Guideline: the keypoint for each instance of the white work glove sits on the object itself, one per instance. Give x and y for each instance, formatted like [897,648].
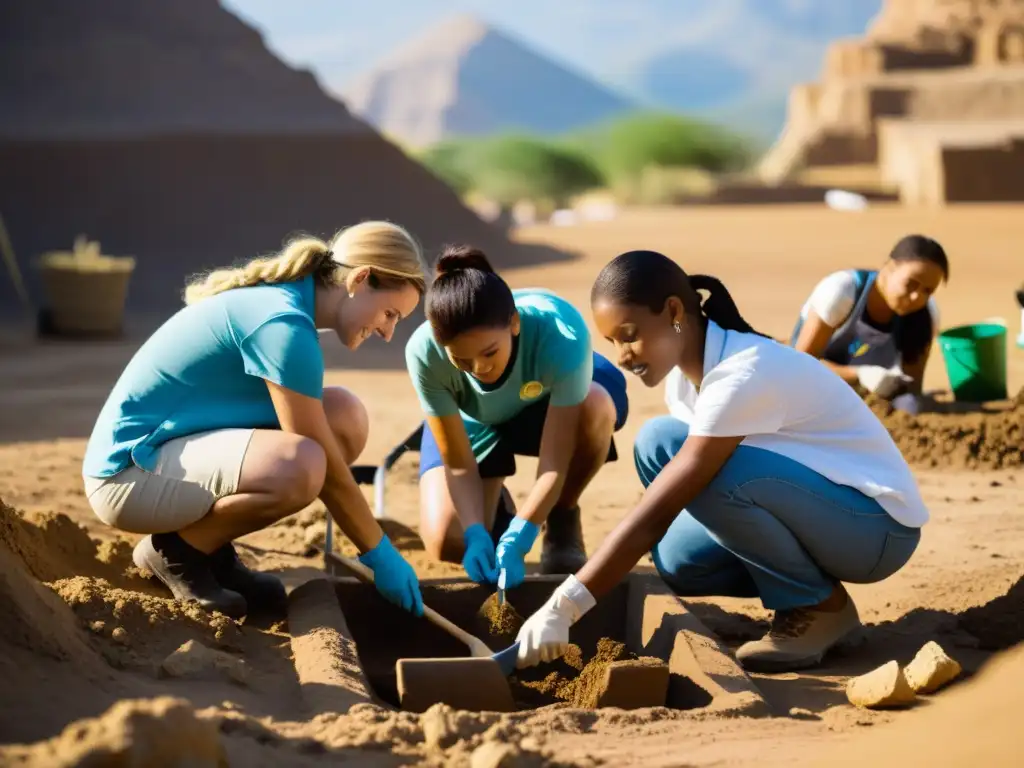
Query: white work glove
[545,635]
[884,382]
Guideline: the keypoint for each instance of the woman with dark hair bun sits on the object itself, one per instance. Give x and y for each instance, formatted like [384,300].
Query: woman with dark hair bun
[875,327]
[501,373]
[771,478]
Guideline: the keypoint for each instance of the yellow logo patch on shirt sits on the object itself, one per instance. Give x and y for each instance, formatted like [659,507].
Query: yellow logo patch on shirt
[861,350]
[531,390]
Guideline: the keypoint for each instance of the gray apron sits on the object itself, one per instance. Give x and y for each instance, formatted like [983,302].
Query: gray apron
[856,342]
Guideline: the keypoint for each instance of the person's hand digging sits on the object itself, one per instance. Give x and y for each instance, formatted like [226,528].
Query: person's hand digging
[393,577]
[545,635]
[513,547]
[478,559]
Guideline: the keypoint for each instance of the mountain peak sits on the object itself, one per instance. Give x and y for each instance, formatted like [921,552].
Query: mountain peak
[463,77]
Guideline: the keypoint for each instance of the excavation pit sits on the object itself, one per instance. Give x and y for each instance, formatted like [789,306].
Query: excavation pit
[630,650]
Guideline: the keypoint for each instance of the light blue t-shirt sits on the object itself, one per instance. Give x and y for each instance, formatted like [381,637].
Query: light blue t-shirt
[204,369]
[554,357]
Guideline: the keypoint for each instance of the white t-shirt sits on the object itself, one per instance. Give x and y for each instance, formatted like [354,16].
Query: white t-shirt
[834,297]
[787,402]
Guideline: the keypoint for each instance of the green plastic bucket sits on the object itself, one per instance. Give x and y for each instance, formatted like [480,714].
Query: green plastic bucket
[975,358]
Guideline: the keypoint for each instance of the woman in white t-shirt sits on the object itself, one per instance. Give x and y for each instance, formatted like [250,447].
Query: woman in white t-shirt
[771,478]
[876,328]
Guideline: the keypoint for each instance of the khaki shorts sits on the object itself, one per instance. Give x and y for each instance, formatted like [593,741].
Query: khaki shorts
[191,473]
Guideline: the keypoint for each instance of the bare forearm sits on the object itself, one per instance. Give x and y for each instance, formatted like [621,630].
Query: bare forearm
[543,497]
[345,501]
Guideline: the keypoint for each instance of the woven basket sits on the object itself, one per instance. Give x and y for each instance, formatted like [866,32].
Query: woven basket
[86,290]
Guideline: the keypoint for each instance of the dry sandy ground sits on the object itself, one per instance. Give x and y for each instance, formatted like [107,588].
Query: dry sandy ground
[972,551]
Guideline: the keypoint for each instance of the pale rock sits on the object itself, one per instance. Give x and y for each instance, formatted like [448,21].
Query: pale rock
[883,687]
[931,669]
[120,635]
[494,754]
[196,660]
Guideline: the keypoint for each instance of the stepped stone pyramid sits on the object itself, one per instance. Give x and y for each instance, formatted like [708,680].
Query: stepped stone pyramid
[930,105]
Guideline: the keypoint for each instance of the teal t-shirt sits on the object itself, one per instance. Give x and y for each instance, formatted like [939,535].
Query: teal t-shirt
[554,358]
[204,369]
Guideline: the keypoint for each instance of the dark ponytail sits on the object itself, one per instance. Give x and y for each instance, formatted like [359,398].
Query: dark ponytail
[719,305]
[466,293]
[649,278]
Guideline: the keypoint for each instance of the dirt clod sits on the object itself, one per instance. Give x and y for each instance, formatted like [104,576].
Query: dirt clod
[492,754]
[931,669]
[883,687]
[119,635]
[196,660]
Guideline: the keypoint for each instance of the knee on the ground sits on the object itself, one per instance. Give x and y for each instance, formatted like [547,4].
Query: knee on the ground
[348,419]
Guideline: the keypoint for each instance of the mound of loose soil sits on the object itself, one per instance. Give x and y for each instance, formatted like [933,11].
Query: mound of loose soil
[575,679]
[162,731]
[52,546]
[999,624]
[992,439]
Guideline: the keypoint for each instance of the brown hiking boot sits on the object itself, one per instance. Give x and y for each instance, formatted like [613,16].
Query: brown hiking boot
[799,638]
[563,550]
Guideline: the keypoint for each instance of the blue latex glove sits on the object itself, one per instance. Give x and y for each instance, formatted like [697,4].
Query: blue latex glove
[479,558]
[513,547]
[394,578]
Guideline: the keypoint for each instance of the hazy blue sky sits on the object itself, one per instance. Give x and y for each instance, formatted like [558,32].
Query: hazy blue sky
[605,38]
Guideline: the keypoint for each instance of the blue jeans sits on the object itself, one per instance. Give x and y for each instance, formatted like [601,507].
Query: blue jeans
[767,526]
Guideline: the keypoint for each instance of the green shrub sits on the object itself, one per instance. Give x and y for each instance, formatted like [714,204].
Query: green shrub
[508,169]
[446,160]
[639,157]
[627,147]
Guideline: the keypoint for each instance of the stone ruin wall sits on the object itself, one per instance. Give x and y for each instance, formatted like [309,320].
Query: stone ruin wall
[921,60]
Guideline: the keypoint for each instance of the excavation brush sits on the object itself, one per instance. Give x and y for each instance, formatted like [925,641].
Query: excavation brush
[477,682]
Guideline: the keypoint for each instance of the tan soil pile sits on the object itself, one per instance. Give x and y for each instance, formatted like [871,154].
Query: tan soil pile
[52,546]
[987,440]
[163,731]
[575,680]
[1000,623]
[44,657]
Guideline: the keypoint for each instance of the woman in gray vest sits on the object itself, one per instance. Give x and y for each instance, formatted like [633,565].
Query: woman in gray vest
[875,327]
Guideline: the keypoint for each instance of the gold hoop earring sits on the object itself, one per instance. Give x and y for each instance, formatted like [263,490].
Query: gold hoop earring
[677,327]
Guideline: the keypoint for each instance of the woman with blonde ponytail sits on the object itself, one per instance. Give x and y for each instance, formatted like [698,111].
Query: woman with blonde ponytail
[220,425]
